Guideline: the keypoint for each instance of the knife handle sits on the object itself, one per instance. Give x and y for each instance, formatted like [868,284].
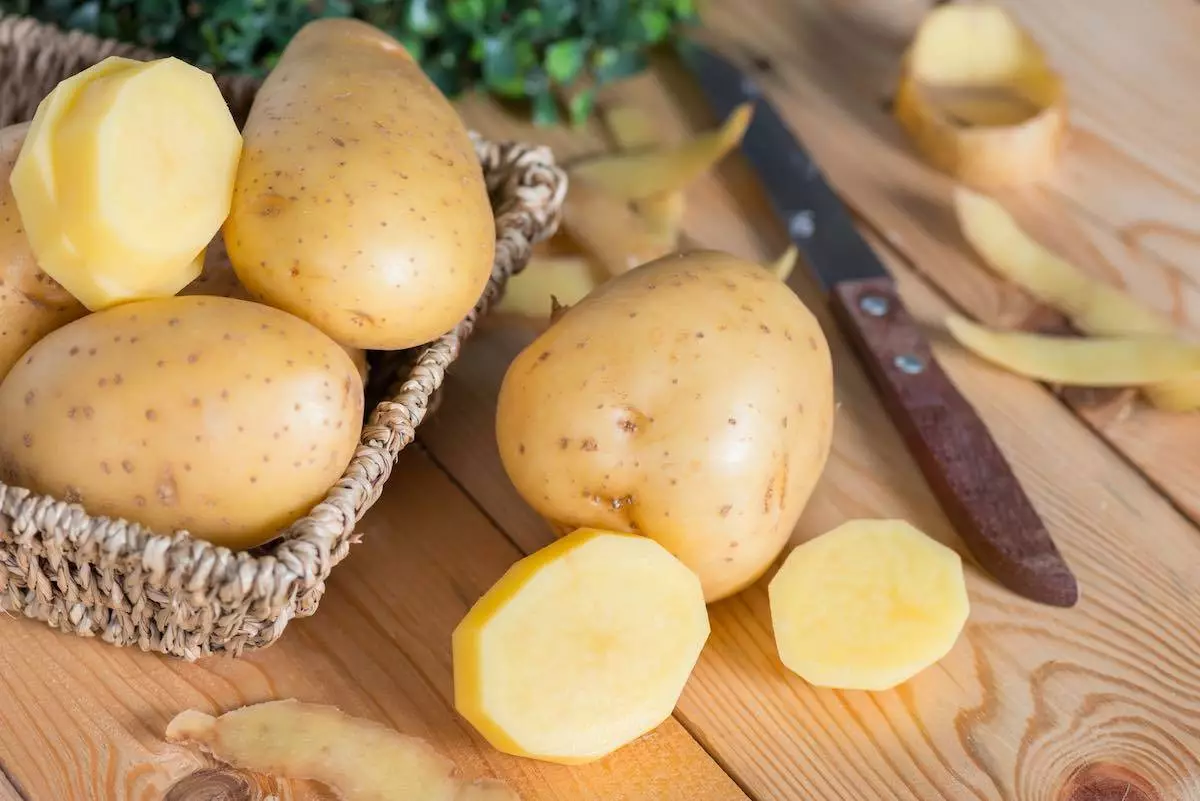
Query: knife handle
[961,462]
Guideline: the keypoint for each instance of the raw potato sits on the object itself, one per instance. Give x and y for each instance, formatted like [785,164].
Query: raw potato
[360,203]
[579,648]
[1133,361]
[868,605]
[32,304]
[142,158]
[218,279]
[226,418]
[978,99]
[358,759]
[608,230]
[566,279]
[1092,306]
[690,400]
[638,176]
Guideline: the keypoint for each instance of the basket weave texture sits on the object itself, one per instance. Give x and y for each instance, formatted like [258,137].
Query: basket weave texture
[94,576]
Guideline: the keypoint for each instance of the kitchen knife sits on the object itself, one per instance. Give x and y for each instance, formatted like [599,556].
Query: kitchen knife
[962,463]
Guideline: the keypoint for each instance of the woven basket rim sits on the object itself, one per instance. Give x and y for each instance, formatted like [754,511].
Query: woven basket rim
[527,191]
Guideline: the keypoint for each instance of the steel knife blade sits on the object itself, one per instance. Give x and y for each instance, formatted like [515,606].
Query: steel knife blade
[964,467]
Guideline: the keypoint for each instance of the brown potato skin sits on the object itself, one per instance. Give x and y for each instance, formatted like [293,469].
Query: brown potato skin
[360,205]
[690,400]
[32,304]
[227,418]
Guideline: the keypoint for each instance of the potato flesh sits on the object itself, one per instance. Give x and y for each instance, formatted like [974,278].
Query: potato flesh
[1100,362]
[580,648]
[142,158]
[32,304]
[359,759]
[690,400]
[868,605]
[225,418]
[360,203]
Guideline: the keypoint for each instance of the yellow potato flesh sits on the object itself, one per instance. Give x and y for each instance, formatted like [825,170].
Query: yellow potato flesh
[33,179]
[32,304]
[360,203]
[565,279]
[359,759]
[1092,306]
[145,161]
[223,417]
[978,98]
[867,606]
[690,400]
[580,648]
[1101,362]
[638,176]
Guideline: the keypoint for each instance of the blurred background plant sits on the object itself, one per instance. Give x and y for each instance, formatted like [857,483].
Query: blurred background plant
[552,53]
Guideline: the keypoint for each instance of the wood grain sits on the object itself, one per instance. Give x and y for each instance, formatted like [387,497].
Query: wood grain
[83,720]
[1121,204]
[1033,703]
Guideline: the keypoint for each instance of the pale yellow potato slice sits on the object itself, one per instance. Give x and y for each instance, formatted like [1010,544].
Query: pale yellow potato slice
[1133,361]
[144,165]
[566,279]
[641,175]
[358,759]
[978,98]
[867,605]
[579,648]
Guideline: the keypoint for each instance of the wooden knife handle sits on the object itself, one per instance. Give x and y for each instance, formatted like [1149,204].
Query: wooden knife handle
[960,460]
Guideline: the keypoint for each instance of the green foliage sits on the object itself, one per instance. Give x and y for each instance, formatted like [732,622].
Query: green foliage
[522,49]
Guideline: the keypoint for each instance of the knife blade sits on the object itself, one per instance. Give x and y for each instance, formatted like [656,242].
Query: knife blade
[964,467]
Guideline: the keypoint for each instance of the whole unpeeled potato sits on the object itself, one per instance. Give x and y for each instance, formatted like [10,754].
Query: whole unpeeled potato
[227,418]
[32,304]
[360,204]
[690,400]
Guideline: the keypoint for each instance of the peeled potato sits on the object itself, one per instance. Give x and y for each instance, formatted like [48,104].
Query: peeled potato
[359,759]
[978,98]
[579,648]
[142,157]
[1133,361]
[1092,306]
[867,606]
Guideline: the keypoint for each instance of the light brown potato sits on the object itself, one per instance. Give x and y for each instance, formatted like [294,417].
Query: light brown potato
[226,418]
[32,304]
[360,205]
[690,400]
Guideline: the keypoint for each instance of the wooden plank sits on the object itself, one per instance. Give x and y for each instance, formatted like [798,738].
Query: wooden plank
[8,790]
[1032,702]
[84,720]
[1121,203]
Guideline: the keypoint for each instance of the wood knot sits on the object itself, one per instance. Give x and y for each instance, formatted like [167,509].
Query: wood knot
[1101,781]
[217,784]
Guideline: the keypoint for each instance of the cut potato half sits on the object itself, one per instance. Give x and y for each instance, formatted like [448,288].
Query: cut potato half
[978,98]
[867,605]
[579,648]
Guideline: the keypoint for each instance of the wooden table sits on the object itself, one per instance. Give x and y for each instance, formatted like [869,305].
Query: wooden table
[1098,702]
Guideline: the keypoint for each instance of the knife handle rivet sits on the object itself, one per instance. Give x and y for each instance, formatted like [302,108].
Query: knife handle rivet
[908,364]
[874,305]
[802,225]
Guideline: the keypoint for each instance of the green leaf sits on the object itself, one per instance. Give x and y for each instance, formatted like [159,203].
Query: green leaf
[422,20]
[468,13]
[611,64]
[654,23]
[564,60]
[545,109]
[499,61]
[580,106]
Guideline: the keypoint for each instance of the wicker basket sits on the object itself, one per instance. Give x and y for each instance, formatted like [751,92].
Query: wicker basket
[181,596]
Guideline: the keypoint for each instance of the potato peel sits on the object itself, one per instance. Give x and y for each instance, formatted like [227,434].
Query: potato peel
[1133,361]
[978,99]
[783,266]
[638,176]
[529,293]
[1092,306]
[633,129]
[608,230]
[358,759]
